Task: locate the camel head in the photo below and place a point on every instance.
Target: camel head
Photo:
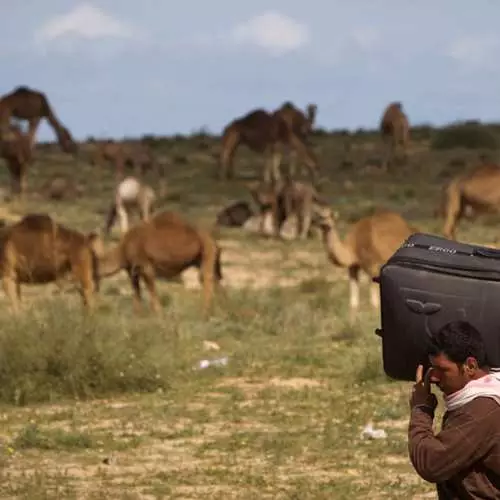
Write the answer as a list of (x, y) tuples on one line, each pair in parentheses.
[(325, 218), (312, 110), (68, 145)]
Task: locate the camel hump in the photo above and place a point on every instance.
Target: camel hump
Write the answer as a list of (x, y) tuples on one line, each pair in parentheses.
[(37, 222), (22, 89)]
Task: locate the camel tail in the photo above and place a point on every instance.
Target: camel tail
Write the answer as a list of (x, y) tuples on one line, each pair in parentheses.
[(95, 270)]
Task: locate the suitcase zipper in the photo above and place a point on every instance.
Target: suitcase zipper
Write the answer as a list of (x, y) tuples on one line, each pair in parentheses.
[(418, 263)]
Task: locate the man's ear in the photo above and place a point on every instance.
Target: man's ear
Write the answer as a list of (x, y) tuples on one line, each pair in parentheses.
[(470, 365)]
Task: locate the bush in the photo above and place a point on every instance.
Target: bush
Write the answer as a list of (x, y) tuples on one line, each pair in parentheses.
[(468, 135)]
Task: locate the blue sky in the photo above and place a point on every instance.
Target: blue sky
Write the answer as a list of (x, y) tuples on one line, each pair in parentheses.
[(126, 68)]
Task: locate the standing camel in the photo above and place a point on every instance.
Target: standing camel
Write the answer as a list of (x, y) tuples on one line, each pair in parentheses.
[(129, 194), (265, 133), (164, 246), (368, 245), (395, 131), (28, 104), (15, 149), (301, 125)]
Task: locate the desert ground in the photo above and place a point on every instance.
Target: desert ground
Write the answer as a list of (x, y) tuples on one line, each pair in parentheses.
[(114, 405)]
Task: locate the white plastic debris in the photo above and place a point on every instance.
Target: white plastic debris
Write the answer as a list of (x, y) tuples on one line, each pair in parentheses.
[(205, 363), (370, 433)]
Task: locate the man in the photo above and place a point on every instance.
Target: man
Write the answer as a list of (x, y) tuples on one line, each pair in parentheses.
[(464, 457)]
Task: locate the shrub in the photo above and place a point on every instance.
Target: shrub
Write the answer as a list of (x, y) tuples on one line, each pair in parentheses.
[(468, 135)]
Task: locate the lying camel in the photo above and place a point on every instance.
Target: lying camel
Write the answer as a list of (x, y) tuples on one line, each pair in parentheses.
[(38, 250), (164, 246), (477, 191), (234, 215), (395, 131), (265, 133), (368, 245), (28, 104), (285, 199), (15, 149), (130, 194)]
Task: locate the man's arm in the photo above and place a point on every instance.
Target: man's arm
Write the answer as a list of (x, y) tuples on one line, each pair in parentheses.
[(436, 458)]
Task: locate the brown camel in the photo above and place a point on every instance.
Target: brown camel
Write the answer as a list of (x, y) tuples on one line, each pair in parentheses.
[(122, 154), (285, 199), (164, 246), (15, 149), (129, 194), (266, 133), (38, 250), (368, 245), (28, 104), (395, 131), (475, 192)]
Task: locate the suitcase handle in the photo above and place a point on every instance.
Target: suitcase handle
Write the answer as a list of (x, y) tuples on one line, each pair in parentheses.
[(491, 253)]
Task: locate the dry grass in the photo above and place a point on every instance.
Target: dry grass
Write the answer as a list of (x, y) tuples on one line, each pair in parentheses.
[(112, 406)]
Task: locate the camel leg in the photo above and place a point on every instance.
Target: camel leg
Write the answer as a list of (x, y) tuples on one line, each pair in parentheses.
[(353, 293), (230, 143), (112, 214), (454, 210), (135, 278), (12, 290), (122, 217), (275, 165), (148, 275), (82, 269), (32, 128), (292, 163), (374, 295), (207, 277)]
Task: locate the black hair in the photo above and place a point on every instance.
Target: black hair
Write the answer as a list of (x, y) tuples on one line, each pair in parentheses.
[(459, 340)]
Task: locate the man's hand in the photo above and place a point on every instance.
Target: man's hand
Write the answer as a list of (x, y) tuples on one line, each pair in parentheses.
[(421, 394)]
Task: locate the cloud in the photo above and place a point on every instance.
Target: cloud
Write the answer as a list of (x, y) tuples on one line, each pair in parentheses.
[(273, 32), (366, 38), (475, 50), (85, 22)]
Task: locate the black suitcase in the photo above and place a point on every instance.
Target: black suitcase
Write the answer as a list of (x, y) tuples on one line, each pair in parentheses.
[(427, 282)]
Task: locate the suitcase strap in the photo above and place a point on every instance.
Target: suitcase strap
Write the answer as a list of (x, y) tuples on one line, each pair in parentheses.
[(490, 253)]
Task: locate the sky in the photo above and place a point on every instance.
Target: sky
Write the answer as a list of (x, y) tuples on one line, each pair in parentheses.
[(115, 68)]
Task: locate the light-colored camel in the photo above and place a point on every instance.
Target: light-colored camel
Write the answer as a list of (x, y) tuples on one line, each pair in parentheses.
[(477, 191), (15, 149), (130, 194), (287, 199), (28, 104), (265, 133), (38, 250), (164, 246), (395, 131), (367, 246), (122, 154)]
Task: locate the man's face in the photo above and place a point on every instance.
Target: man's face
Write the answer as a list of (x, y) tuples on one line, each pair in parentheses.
[(448, 375)]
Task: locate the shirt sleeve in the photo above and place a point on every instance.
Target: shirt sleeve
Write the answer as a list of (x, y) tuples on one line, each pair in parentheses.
[(437, 458)]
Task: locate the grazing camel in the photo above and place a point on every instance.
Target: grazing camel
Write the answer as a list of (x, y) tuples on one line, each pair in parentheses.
[(129, 194), (122, 154), (28, 104), (38, 250), (164, 246), (368, 245), (285, 199), (395, 131), (265, 133), (477, 191), (15, 149)]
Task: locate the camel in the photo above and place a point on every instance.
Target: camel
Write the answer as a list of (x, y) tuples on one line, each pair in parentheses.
[(15, 149), (265, 133), (286, 199), (164, 246), (122, 154), (369, 243), (129, 194), (475, 192), (234, 215), (36, 249), (28, 104), (395, 131)]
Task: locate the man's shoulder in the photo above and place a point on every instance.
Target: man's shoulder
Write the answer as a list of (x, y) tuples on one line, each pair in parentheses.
[(480, 408)]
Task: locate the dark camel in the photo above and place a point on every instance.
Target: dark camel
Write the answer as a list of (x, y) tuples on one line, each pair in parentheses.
[(395, 131), (28, 104), (265, 133)]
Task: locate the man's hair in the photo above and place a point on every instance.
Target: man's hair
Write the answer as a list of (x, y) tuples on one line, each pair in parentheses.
[(459, 340)]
